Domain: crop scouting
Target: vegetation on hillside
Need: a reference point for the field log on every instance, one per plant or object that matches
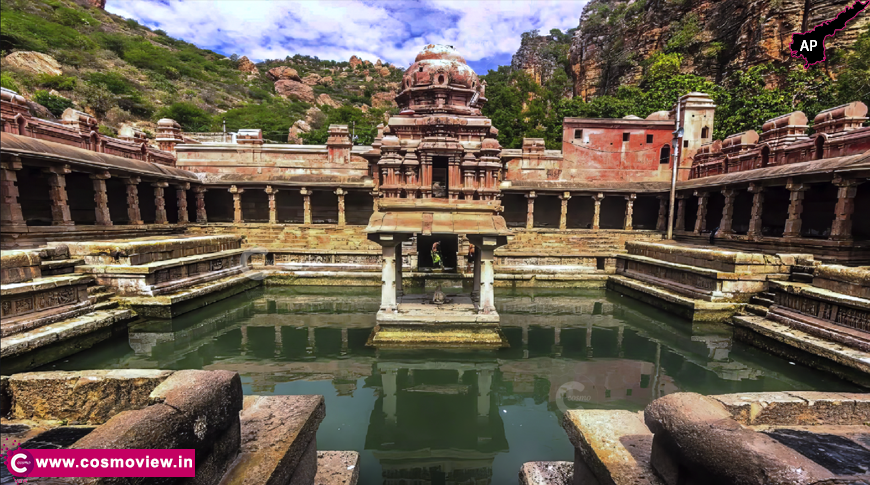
(521, 108)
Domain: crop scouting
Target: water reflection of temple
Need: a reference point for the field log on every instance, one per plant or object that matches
(435, 417)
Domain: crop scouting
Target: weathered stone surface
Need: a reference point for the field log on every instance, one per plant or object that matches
(5, 397)
(547, 473)
(276, 433)
(19, 266)
(325, 99)
(312, 79)
(306, 470)
(611, 447)
(84, 397)
(797, 408)
(219, 458)
(35, 62)
(384, 71)
(384, 100)
(326, 81)
(337, 468)
(294, 90)
(697, 439)
(355, 61)
(245, 65)
(284, 72)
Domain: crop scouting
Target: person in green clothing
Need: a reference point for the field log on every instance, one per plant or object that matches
(436, 255)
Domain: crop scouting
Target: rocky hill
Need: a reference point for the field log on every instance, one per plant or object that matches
(716, 38)
(72, 53)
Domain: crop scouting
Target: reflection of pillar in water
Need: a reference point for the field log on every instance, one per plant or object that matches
(484, 384)
(388, 380)
(279, 344)
(619, 339)
(589, 340)
(312, 344)
(657, 365)
(525, 341)
(344, 345)
(244, 340)
(460, 373)
(557, 336)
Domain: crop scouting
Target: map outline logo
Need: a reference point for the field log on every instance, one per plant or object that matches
(809, 46)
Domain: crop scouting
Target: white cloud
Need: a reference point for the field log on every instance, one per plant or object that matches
(392, 31)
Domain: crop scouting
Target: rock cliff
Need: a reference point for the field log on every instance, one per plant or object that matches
(715, 37)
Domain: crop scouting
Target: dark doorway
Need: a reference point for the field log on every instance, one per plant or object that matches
(581, 210)
(715, 204)
(449, 247)
(80, 191)
(860, 221)
(765, 156)
(645, 213)
(255, 205)
(742, 212)
(116, 192)
(147, 207)
(691, 213)
(820, 147)
(818, 216)
(515, 209)
(612, 214)
(548, 211)
(288, 204)
(440, 176)
(170, 203)
(34, 197)
(774, 211)
(358, 208)
(218, 205)
(191, 206)
(324, 207)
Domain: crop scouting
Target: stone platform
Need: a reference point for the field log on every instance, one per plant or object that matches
(419, 310)
(237, 439)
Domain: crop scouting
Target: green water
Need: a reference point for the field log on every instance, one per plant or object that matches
(454, 417)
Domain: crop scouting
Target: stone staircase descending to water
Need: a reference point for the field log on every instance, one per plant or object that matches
(700, 284)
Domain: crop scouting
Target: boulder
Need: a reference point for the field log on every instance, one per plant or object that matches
(343, 74)
(384, 100)
(245, 65)
(354, 61)
(311, 79)
(364, 108)
(35, 62)
(325, 99)
(326, 81)
(283, 72)
(294, 90)
(393, 86)
(369, 79)
(378, 63)
(297, 129)
(384, 71)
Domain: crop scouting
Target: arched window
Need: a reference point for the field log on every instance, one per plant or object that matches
(820, 148)
(665, 154)
(441, 79)
(765, 156)
(705, 132)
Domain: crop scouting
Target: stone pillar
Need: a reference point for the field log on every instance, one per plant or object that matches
(375, 197)
(475, 286)
(530, 214)
(755, 224)
(10, 208)
(680, 219)
(487, 293)
(237, 204)
(662, 222)
(160, 202)
(181, 195)
(101, 200)
(306, 205)
(795, 208)
(388, 278)
(388, 381)
(629, 211)
(341, 216)
(563, 220)
(726, 225)
(133, 211)
(701, 217)
(273, 210)
(596, 216)
(56, 177)
(847, 189)
(201, 215)
(399, 289)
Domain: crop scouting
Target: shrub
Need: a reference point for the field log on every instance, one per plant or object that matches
(114, 82)
(106, 131)
(7, 82)
(55, 104)
(190, 116)
(98, 97)
(63, 83)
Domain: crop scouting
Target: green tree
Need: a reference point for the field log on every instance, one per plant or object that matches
(190, 116)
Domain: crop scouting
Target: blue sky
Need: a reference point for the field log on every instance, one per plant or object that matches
(486, 33)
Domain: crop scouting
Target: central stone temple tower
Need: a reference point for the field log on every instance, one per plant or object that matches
(437, 170)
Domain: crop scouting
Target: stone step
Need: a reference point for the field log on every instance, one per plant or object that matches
(96, 289)
(101, 297)
(759, 310)
(337, 468)
(757, 300)
(279, 443)
(106, 305)
(767, 294)
(802, 277)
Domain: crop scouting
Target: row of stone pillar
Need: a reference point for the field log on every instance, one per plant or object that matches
(596, 216)
(60, 211)
(238, 217)
(841, 228)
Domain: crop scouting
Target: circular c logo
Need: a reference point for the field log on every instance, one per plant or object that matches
(20, 463)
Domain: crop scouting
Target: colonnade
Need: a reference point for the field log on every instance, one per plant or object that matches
(597, 198)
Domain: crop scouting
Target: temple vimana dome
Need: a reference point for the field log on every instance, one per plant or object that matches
(645, 304)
